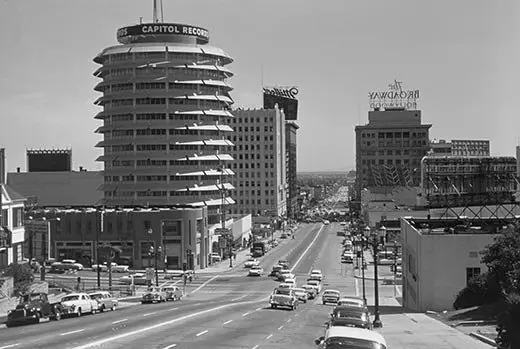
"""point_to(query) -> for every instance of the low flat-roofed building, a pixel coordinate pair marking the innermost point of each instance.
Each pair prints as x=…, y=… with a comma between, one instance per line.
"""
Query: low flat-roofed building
x=44, y=189
x=440, y=256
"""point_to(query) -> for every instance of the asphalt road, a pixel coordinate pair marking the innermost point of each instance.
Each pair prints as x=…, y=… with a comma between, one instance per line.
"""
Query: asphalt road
x=208, y=298
x=229, y=310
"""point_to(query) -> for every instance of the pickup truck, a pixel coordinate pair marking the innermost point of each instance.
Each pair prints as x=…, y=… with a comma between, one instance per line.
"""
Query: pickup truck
x=32, y=307
x=283, y=297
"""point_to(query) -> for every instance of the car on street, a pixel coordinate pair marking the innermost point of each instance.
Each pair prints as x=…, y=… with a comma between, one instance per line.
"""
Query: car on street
x=105, y=299
x=78, y=304
x=330, y=296
x=285, y=274
x=350, y=316
x=73, y=263
x=173, y=293
x=284, y=263
x=290, y=281
x=138, y=279
x=283, y=297
x=311, y=291
x=276, y=270
x=351, y=300
x=284, y=285
x=32, y=307
x=255, y=271
x=251, y=262
x=351, y=337
x=301, y=294
x=314, y=283
x=215, y=258
x=316, y=274
x=153, y=294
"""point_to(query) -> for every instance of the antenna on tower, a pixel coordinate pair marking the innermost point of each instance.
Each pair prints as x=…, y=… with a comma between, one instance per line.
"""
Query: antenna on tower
x=157, y=16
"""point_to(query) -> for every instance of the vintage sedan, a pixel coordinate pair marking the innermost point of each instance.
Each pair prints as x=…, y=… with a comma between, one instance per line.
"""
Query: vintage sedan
x=351, y=300
x=251, y=262
x=350, y=316
x=153, y=294
x=255, y=271
x=301, y=294
x=105, y=299
x=312, y=292
x=330, y=296
x=316, y=274
x=173, y=293
x=350, y=337
x=314, y=283
x=32, y=308
x=138, y=279
x=78, y=304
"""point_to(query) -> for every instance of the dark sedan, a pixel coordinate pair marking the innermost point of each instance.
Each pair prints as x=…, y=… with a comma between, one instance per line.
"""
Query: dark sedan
x=350, y=316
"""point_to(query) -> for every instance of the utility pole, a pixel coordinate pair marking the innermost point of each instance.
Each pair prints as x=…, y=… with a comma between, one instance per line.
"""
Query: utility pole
x=98, y=261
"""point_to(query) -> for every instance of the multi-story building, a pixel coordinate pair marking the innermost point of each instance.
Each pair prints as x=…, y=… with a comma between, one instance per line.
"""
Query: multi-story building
x=291, y=128
x=389, y=149
x=165, y=105
x=460, y=147
x=260, y=162
x=12, y=232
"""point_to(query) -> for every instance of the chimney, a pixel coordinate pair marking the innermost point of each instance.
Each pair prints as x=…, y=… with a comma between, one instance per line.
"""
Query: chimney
x=18, y=170
x=2, y=166
x=80, y=168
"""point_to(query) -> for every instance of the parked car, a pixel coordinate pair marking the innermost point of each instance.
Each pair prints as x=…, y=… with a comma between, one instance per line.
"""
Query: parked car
x=350, y=316
x=33, y=307
x=153, y=294
x=173, y=293
x=351, y=300
x=105, y=299
x=78, y=304
x=215, y=258
x=76, y=265
x=336, y=336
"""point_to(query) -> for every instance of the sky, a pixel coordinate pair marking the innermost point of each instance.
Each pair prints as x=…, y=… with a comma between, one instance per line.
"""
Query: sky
x=462, y=55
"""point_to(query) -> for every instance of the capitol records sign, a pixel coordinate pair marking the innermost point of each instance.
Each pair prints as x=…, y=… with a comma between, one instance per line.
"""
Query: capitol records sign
x=395, y=97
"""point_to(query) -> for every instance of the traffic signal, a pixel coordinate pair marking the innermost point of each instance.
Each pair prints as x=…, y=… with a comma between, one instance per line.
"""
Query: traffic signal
x=358, y=254
x=184, y=266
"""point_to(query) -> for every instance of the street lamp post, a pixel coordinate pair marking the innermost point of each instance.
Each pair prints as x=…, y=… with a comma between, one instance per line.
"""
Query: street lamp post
x=366, y=231
x=156, y=254
x=373, y=239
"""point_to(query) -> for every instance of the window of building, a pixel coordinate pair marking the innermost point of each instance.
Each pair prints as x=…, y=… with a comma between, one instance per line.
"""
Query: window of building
x=17, y=217
x=471, y=273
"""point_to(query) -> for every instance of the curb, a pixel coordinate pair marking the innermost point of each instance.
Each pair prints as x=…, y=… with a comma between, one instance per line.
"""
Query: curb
x=483, y=339
x=474, y=323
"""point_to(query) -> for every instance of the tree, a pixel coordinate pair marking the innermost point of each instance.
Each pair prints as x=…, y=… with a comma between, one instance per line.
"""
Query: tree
x=503, y=259
x=22, y=277
x=508, y=326
x=482, y=289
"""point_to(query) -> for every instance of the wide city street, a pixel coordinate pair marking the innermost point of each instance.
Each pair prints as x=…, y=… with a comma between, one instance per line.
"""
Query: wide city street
x=226, y=310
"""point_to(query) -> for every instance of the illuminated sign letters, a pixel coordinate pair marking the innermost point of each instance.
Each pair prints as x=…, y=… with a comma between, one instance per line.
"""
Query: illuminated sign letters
x=290, y=92
x=395, y=97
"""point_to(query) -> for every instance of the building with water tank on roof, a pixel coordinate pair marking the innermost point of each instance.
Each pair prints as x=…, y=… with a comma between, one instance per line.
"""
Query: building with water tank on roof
x=165, y=104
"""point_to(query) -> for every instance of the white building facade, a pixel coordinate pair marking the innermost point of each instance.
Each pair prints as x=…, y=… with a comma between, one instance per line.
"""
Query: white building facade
x=12, y=232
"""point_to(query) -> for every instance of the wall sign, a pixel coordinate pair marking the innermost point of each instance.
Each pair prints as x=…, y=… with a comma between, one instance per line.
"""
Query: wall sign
x=394, y=97
x=287, y=92
x=126, y=35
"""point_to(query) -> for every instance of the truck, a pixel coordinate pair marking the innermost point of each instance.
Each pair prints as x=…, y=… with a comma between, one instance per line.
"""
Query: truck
x=258, y=249
x=33, y=307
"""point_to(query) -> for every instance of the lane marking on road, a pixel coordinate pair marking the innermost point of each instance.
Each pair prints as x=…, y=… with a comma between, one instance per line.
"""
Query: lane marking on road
x=296, y=314
x=257, y=309
x=9, y=346
x=172, y=309
x=170, y=346
x=269, y=337
x=118, y=321
x=307, y=249
x=201, y=333
x=289, y=320
x=204, y=284
x=100, y=342
x=356, y=284
x=255, y=347
x=246, y=314
x=279, y=328
x=398, y=290
x=238, y=298
x=72, y=332
x=227, y=322
x=196, y=304
x=148, y=314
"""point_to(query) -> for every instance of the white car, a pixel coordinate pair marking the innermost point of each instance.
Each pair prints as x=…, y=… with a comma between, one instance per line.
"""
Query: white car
x=251, y=262
x=315, y=284
x=138, y=279
x=291, y=281
x=256, y=270
x=316, y=274
x=73, y=262
x=78, y=304
x=337, y=336
x=284, y=285
x=352, y=300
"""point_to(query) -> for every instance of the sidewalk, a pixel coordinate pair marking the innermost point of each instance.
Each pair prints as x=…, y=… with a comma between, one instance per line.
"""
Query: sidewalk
x=416, y=330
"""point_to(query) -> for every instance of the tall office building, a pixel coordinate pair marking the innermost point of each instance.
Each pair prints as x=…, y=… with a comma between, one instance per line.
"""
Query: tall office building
x=165, y=105
x=291, y=129
x=260, y=162
x=389, y=149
